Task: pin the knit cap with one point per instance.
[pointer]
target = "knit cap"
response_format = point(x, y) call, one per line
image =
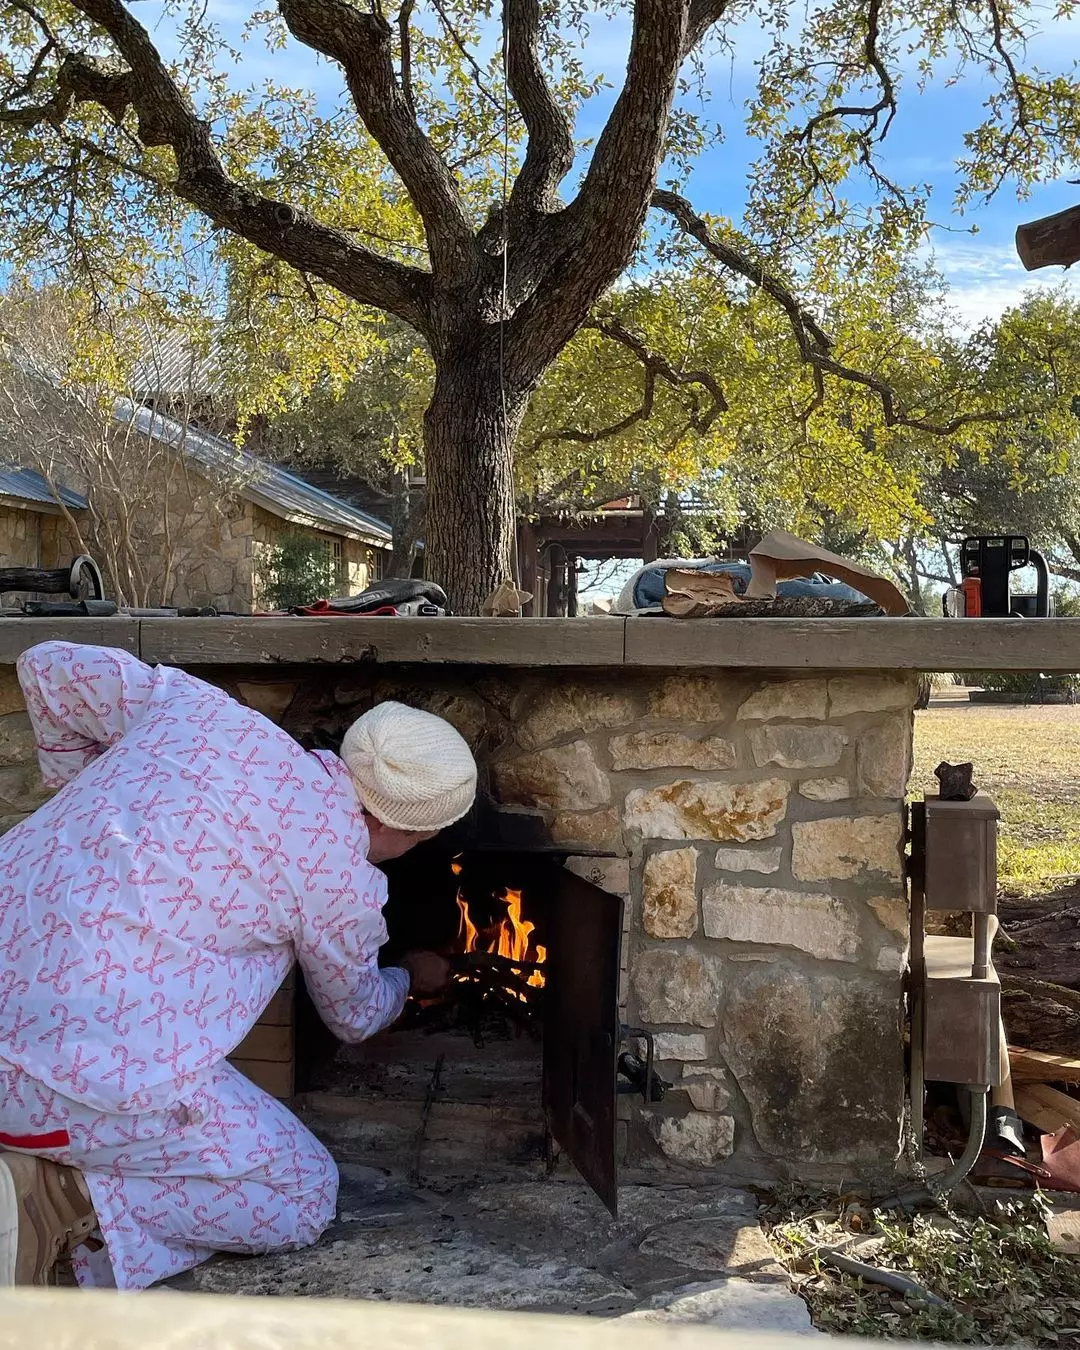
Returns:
point(411, 769)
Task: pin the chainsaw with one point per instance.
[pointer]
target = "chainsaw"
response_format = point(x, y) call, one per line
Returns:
point(987, 562)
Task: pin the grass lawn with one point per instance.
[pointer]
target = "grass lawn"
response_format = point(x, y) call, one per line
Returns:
point(1028, 760)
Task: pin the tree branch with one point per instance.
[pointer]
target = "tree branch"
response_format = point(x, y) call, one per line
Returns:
point(550, 152)
point(655, 367)
point(167, 118)
point(591, 242)
point(887, 101)
point(815, 347)
point(703, 14)
point(405, 47)
point(361, 44)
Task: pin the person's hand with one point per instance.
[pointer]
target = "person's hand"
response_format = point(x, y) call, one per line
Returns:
point(428, 973)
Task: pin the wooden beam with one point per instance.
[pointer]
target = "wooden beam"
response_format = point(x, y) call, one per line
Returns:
point(1052, 241)
point(857, 644)
point(1035, 1066)
point(748, 644)
point(302, 641)
point(1055, 1109)
point(18, 634)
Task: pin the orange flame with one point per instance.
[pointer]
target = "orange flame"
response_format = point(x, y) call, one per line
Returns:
point(510, 939)
point(466, 929)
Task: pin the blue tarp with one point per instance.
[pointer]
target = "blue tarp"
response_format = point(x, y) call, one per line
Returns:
point(649, 587)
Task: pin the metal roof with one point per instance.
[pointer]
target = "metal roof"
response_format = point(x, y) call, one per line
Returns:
point(169, 365)
point(30, 486)
point(258, 481)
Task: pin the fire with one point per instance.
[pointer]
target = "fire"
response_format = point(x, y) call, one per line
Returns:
point(510, 939)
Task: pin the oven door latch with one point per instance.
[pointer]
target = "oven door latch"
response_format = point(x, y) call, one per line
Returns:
point(641, 1077)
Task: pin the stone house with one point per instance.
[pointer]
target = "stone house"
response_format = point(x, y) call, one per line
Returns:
point(32, 523)
point(233, 510)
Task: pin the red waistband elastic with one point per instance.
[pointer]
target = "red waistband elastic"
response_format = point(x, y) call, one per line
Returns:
point(33, 1142)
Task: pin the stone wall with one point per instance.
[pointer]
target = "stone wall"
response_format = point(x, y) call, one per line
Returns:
point(755, 826)
point(20, 544)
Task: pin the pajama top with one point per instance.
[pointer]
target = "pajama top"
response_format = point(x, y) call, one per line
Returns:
point(150, 910)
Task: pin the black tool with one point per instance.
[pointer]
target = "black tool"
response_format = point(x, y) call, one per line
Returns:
point(992, 558)
point(81, 581)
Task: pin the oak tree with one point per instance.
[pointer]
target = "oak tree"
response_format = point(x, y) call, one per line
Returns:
point(449, 188)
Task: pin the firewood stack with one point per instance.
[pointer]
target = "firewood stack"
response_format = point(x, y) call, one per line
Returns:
point(1038, 957)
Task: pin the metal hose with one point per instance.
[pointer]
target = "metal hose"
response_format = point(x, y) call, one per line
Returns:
point(938, 1187)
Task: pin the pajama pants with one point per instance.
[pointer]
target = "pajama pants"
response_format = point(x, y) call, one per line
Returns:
point(228, 1169)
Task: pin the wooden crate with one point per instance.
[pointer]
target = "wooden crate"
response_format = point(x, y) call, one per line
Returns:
point(267, 1054)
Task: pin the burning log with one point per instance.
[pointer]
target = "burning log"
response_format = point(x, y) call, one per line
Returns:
point(467, 961)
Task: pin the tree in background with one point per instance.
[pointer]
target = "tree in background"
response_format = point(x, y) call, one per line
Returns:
point(147, 496)
point(432, 193)
point(294, 570)
point(1024, 476)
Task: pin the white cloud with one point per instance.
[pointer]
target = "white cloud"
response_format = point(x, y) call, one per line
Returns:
point(986, 279)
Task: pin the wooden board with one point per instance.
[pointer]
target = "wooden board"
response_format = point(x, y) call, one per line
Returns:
point(17, 635)
point(1046, 1108)
point(856, 644)
point(297, 641)
point(267, 1042)
point(1035, 1066)
point(276, 1079)
point(280, 1011)
point(752, 644)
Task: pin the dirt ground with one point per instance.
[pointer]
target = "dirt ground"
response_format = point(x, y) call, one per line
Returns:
point(1028, 759)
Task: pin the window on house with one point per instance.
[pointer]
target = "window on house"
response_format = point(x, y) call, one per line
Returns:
point(376, 564)
point(337, 563)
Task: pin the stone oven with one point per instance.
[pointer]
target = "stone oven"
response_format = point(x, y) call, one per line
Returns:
point(735, 839)
point(703, 822)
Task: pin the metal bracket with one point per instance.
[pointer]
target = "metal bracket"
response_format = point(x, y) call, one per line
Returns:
point(641, 1077)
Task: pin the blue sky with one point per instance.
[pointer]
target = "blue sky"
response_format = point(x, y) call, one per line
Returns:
point(984, 274)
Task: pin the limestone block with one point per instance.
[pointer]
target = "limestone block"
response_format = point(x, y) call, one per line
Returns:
point(800, 700)
point(21, 788)
point(17, 744)
point(884, 758)
point(722, 811)
point(590, 829)
point(699, 697)
point(793, 747)
point(870, 693)
point(669, 908)
point(686, 1047)
point(610, 874)
point(271, 700)
point(670, 749)
point(893, 950)
point(841, 847)
point(748, 859)
point(697, 1138)
point(819, 1060)
point(825, 789)
point(818, 924)
point(568, 709)
point(567, 778)
point(680, 987)
point(707, 1095)
point(11, 697)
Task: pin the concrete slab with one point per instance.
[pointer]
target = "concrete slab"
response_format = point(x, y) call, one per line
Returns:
point(732, 1305)
point(530, 1246)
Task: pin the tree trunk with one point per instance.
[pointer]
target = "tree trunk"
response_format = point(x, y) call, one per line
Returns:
point(469, 433)
point(406, 518)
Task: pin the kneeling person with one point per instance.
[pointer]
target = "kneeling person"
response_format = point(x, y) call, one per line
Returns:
point(148, 913)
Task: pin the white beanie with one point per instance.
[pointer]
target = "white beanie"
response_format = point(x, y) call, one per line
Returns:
point(411, 769)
